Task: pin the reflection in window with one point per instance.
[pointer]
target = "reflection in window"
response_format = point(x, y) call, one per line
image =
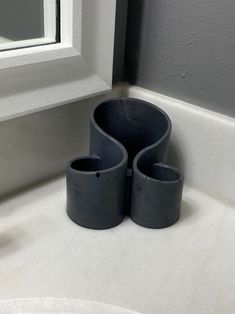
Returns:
point(25, 23)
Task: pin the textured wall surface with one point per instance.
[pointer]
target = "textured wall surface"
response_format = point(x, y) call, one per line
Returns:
point(38, 146)
point(184, 49)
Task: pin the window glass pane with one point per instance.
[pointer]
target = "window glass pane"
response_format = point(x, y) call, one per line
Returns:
point(25, 23)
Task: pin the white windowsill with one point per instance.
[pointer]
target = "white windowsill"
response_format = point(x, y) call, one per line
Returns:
point(42, 77)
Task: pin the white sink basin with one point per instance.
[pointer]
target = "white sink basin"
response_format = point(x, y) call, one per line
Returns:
point(58, 306)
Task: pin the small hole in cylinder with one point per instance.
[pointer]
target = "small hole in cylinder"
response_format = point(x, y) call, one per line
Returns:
point(97, 174)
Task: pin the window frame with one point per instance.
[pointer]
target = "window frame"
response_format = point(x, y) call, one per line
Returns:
point(41, 77)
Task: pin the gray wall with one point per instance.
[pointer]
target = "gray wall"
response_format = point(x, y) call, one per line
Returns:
point(184, 49)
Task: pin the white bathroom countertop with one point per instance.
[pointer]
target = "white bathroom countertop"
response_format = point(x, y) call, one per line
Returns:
point(187, 268)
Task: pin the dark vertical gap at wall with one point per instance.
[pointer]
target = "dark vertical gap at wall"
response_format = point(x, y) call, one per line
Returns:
point(133, 39)
point(127, 40)
point(120, 40)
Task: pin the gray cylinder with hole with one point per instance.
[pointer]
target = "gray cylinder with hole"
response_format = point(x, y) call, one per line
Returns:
point(95, 200)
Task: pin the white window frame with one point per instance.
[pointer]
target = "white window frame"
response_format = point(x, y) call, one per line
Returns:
point(49, 23)
point(36, 78)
